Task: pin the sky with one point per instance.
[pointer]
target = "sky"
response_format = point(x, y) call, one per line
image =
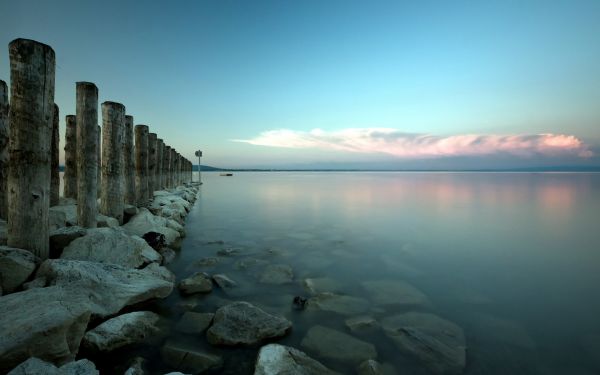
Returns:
point(336, 84)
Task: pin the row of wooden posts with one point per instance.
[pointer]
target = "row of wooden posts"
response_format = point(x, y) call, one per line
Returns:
point(117, 172)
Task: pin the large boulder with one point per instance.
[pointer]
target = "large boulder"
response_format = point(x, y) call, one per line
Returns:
point(332, 344)
point(241, 323)
point(66, 216)
point(35, 366)
point(145, 222)
point(190, 360)
point(340, 304)
point(47, 323)
point(197, 283)
point(111, 287)
point(437, 343)
point(126, 329)
point(16, 265)
point(62, 237)
point(111, 245)
point(274, 359)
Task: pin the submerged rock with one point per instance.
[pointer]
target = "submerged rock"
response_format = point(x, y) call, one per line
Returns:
point(241, 323)
point(345, 305)
point(35, 366)
point(207, 262)
point(223, 281)
point(111, 245)
point(197, 283)
point(189, 360)
point(391, 292)
point(229, 251)
point(168, 255)
point(274, 359)
point(332, 344)
point(437, 343)
point(277, 274)
point(362, 324)
point(126, 329)
point(369, 367)
point(16, 265)
point(193, 322)
point(321, 285)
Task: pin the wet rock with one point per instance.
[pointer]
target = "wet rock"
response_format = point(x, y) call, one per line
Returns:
point(193, 322)
point(223, 281)
point(47, 323)
point(361, 324)
point(197, 283)
point(111, 246)
point(126, 329)
point(145, 222)
point(274, 359)
point(250, 264)
point(390, 292)
point(207, 262)
point(277, 274)
point(189, 360)
point(321, 285)
point(16, 265)
point(229, 251)
point(332, 344)
point(62, 237)
point(168, 255)
point(345, 305)
point(241, 323)
point(369, 367)
point(437, 343)
point(35, 366)
point(136, 367)
point(113, 286)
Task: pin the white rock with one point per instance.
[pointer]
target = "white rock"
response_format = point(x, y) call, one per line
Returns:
point(35, 366)
point(197, 283)
point(126, 329)
point(274, 359)
point(145, 222)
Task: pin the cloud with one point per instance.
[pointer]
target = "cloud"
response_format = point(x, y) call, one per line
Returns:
point(412, 145)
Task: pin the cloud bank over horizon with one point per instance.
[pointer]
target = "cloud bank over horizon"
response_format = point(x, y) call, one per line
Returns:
point(424, 146)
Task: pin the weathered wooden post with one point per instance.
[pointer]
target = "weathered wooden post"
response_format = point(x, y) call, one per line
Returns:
point(70, 176)
point(175, 168)
point(87, 154)
point(171, 167)
point(160, 146)
point(99, 161)
point(166, 166)
point(4, 134)
point(32, 67)
point(54, 155)
point(141, 164)
point(113, 130)
point(151, 164)
point(129, 162)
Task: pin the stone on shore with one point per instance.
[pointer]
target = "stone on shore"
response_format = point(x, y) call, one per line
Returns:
point(47, 323)
point(145, 222)
point(332, 344)
point(35, 366)
point(224, 282)
point(277, 274)
point(16, 265)
point(62, 237)
point(193, 322)
point(197, 283)
point(189, 360)
point(275, 359)
point(437, 343)
point(111, 246)
point(111, 287)
point(126, 329)
point(390, 292)
point(168, 255)
point(340, 304)
point(241, 323)
point(362, 324)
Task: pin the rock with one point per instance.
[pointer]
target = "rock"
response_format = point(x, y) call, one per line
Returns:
point(111, 246)
point(126, 329)
point(35, 366)
point(321, 285)
point(47, 323)
point(112, 286)
point(228, 251)
point(197, 283)
point(207, 262)
point(274, 359)
point(241, 323)
point(145, 222)
point(40, 282)
point(66, 216)
point(437, 343)
point(103, 221)
point(345, 305)
point(332, 344)
point(161, 272)
point(155, 240)
point(58, 219)
point(223, 281)
point(3, 233)
point(193, 322)
point(136, 367)
point(189, 360)
point(250, 265)
point(389, 292)
point(362, 324)
point(369, 367)
point(277, 274)
point(62, 237)
point(168, 255)
point(16, 265)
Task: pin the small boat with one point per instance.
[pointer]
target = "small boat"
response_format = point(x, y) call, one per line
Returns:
point(226, 174)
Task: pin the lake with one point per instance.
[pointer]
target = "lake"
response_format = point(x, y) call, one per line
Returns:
point(511, 258)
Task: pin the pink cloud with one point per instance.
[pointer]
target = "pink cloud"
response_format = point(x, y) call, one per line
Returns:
point(410, 145)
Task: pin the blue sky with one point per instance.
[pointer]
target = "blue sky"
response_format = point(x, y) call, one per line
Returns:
point(448, 82)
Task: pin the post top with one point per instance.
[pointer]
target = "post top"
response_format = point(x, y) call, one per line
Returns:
point(85, 84)
point(30, 43)
point(113, 104)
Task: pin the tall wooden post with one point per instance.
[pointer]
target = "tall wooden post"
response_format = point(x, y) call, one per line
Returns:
point(129, 162)
point(4, 134)
point(70, 175)
point(160, 147)
point(32, 67)
point(113, 131)
point(54, 155)
point(166, 166)
point(87, 154)
point(141, 164)
point(151, 164)
point(99, 161)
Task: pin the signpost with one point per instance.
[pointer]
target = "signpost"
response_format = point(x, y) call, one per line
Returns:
point(199, 155)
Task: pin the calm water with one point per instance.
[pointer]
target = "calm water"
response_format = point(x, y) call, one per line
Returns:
point(512, 258)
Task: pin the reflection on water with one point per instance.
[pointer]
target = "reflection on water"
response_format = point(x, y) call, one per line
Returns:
point(511, 258)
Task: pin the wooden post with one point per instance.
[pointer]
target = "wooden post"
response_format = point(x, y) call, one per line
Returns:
point(141, 164)
point(54, 151)
point(151, 164)
point(87, 154)
point(113, 131)
point(160, 148)
point(166, 166)
point(99, 161)
point(4, 134)
point(32, 67)
point(70, 176)
point(129, 162)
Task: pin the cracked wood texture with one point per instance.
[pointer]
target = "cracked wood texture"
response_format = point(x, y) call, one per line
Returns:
point(151, 164)
point(141, 164)
point(113, 180)
point(4, 134)
point(87, 154)
point(129, 162)
point(70, 175)
point(54, 151)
